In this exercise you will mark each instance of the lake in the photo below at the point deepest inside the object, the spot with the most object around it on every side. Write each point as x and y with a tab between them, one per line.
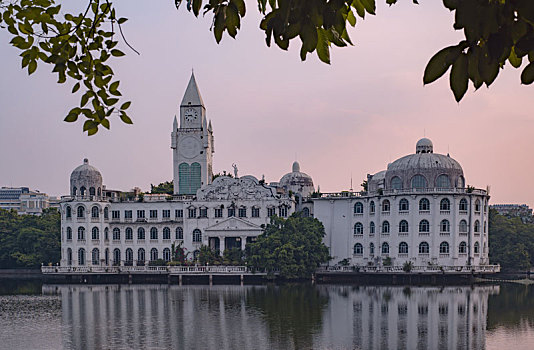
293	316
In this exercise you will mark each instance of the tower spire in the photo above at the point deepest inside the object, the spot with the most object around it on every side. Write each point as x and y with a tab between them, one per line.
192	94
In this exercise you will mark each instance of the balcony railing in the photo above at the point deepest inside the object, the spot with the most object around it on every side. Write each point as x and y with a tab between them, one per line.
348	194
415	269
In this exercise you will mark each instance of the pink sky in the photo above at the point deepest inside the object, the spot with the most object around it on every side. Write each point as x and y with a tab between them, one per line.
366	109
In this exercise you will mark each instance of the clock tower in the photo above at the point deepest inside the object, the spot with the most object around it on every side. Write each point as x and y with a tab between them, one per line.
192	143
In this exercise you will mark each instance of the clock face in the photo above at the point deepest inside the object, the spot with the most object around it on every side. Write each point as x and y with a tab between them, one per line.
189	147
190	115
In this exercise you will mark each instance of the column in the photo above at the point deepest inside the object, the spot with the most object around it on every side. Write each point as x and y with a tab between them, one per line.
221	244
243	242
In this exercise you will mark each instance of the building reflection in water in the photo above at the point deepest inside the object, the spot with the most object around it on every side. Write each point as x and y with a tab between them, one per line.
261	317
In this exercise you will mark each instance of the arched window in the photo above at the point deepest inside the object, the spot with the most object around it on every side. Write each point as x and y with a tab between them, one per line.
81	257
92	191
444	248
167	254
128	257
461	182
463	204
153	254
106	256
477	205
372	249
106	233
358	208
305	212
74	190
424	204
476	248
443	181
95	233
424	226
166	233
141	256
404	205
106	213
197	236
82	191
385	227
140	233
396	183
444	226
358	228
69	234
116	257
463	226
68	212
385	206
69	256
403	248
477	226
424	248
153	233
385	248
128	234
81	233
116	234
372	228
98	192
445	204
372	207
403	226
80	211
485	222
462	248
419	182
179	233
95	257
95	212
358	249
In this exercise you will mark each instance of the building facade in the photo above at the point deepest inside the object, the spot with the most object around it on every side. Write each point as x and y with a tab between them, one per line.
419	210
26	201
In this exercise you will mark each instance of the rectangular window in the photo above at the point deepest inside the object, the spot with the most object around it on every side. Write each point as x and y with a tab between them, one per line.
140	214
231	212
203	212
218	212
271	212
127	214
255	212
242	212
179	213
115	214
283	211
153	214
193	213
166	214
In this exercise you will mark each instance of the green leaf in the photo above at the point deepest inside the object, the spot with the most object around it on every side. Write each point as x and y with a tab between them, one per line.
117	53
351	18
369	5
122	20
514	60
308	35
323	48
32	66
89	124
114	86
240	5
527	76
218	27
125	119
458	77
76	87
71	117
125	105
440	63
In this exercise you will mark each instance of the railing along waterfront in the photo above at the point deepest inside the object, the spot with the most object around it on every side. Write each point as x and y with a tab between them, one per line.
414	269
145	269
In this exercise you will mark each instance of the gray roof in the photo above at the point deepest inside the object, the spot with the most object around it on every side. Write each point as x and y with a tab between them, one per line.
425	161
192	94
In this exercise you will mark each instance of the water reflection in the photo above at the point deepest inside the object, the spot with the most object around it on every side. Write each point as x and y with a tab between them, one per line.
273	317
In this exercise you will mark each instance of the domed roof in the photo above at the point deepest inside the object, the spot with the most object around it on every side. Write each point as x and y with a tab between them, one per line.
424	146
297	181
424	161
86	169
85	178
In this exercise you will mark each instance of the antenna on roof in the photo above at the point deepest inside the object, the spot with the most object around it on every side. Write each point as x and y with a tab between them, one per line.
351	181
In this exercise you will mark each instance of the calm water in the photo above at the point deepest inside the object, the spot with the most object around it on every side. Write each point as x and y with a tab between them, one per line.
35	316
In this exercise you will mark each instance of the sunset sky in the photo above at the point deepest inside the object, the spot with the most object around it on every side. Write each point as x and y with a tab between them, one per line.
350	118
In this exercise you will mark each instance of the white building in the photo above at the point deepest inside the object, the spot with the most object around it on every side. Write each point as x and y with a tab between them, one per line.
418	210
26	201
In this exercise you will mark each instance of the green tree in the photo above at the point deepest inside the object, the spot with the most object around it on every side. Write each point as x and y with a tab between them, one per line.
29	241
166	187
293	247
80	46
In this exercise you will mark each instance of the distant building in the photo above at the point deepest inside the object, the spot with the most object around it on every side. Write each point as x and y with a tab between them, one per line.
26	201
522	211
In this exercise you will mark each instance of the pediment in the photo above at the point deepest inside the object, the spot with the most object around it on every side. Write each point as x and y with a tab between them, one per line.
234	224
